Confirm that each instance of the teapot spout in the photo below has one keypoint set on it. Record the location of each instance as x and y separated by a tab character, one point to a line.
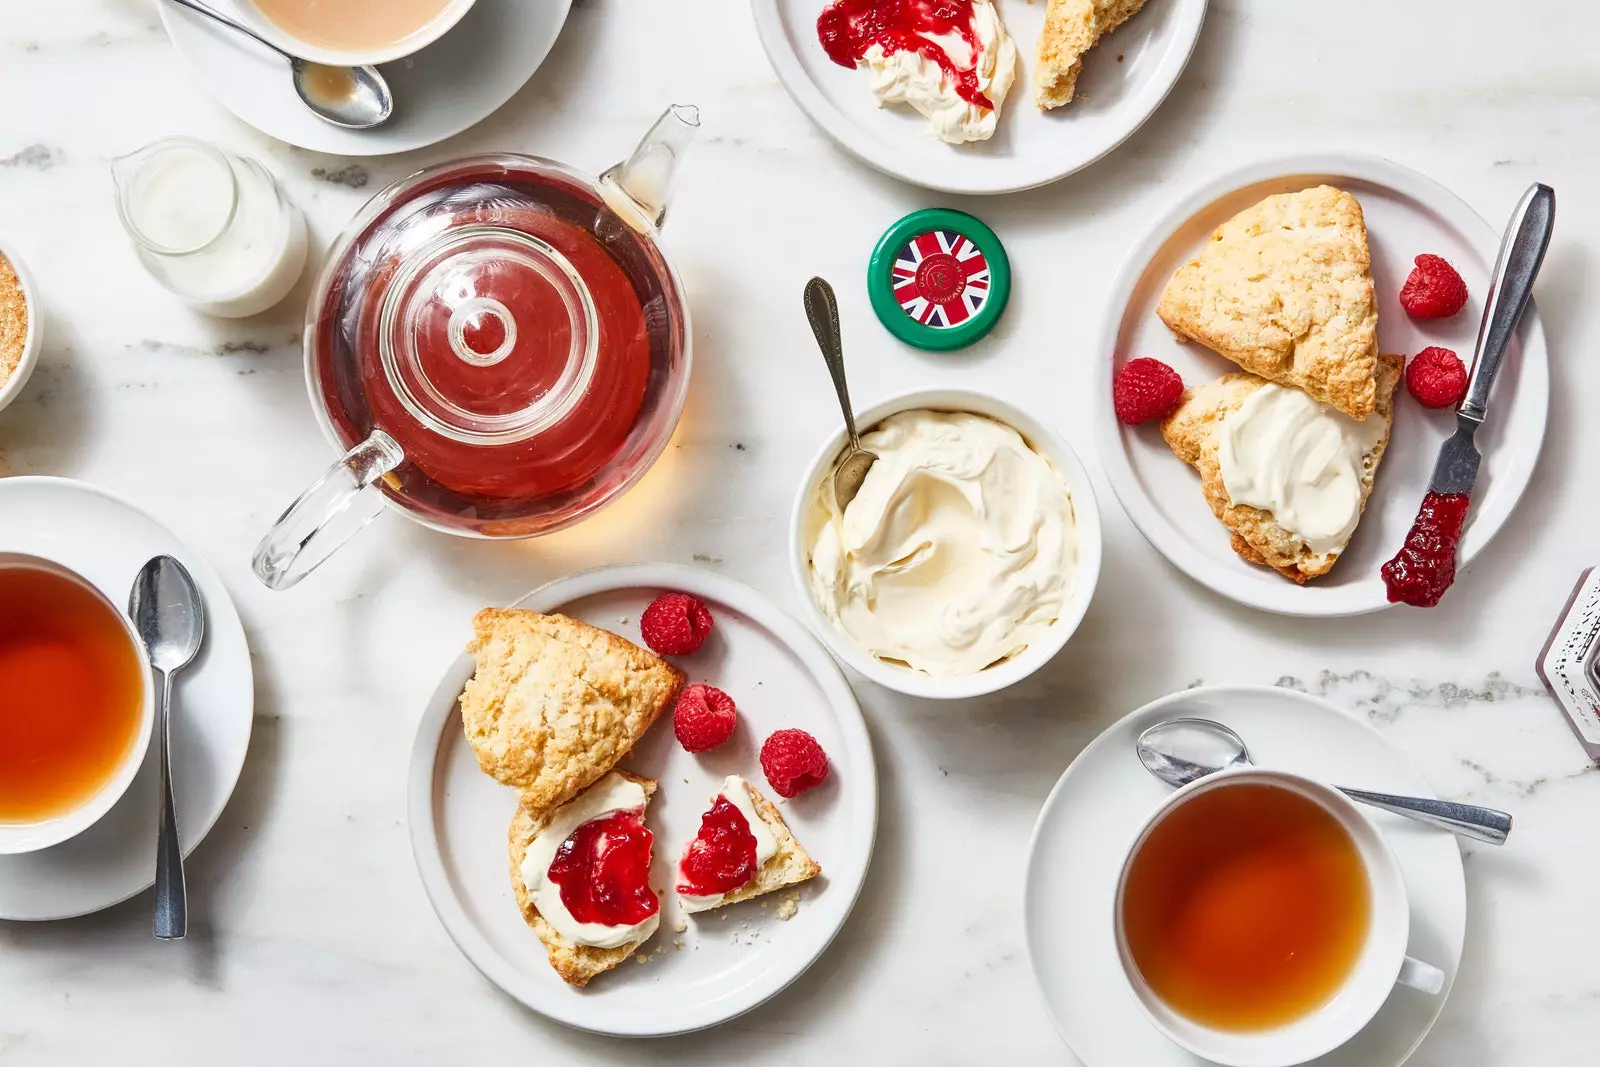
647	176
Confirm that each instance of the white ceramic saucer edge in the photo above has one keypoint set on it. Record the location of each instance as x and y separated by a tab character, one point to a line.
846	875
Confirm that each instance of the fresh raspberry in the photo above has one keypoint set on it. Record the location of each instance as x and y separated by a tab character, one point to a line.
1433	290
793	762
1145	389
704	718
1437	378
675	624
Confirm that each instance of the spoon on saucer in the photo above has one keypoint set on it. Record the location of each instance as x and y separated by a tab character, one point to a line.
823	311
1180	751
356	98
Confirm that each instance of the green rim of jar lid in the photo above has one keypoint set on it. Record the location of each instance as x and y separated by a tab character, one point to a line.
939	279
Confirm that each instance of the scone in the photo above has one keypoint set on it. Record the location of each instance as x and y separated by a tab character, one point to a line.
574	961
1194	432
712	874
1071	28
555	703
1284	289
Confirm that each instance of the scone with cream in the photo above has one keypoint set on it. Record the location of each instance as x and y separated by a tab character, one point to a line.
1071	28
581	875
744	849
1284	289
1289	477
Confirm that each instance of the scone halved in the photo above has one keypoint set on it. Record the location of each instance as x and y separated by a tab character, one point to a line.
1193	432
1284	289
790	864
1071	28
555	702
575	963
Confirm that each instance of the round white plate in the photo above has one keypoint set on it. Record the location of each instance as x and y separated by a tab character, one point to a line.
1093	814
731	959
107	540
1406	214
452	84
1030	147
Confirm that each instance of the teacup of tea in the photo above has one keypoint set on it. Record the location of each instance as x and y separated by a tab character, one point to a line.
349	33
1262	920
76	703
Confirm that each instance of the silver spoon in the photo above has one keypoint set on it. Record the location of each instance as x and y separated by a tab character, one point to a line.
1180	751
823	311
356	98
167	611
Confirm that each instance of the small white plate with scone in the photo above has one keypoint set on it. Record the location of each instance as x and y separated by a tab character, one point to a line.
639	842
1294	269
1018	95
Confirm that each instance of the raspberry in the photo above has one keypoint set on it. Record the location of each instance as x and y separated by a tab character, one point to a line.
704	718
1436	377
1433	290
793	762
675	624
1145	389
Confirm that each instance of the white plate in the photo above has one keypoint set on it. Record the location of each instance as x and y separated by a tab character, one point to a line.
1406	214
733	958
1030	147
452	84
1096	809
107	540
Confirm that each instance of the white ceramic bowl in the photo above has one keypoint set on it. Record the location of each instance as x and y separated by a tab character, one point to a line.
992	679
416	42
18	837
11	388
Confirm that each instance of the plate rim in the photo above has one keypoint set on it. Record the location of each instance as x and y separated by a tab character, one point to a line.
1179	550
864	147
423	829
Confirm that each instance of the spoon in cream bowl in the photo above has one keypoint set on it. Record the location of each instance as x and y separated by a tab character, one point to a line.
822	309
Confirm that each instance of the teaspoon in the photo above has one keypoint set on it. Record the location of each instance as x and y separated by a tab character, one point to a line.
1180	751
822	309
356	98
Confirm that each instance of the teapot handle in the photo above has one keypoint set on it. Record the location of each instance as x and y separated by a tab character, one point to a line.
329	513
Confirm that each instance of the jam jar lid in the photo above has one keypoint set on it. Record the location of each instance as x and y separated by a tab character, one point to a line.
939	279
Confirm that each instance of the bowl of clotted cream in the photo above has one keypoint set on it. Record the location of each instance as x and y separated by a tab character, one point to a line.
967	559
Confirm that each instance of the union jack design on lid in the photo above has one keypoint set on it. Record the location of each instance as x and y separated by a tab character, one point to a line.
941	278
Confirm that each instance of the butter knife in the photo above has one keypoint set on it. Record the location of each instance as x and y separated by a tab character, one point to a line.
1425	567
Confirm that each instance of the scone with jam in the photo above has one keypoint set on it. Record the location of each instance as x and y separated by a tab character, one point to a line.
744	849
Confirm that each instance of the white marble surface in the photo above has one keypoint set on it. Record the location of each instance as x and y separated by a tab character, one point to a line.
312	939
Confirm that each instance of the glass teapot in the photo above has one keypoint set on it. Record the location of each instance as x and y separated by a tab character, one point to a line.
499	346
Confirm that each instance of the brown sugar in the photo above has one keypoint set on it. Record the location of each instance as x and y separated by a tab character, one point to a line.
13	319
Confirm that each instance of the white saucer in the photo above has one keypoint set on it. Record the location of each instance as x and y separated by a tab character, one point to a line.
1095	810
731	959
1406	214
452	84
1030	147
107	540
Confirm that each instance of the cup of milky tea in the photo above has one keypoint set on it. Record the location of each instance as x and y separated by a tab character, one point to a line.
348	33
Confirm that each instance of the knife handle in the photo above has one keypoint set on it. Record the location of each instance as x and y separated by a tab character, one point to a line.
1521	252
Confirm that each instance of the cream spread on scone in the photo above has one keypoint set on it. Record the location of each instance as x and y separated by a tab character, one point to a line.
737	792
959	550
1283	452
613	793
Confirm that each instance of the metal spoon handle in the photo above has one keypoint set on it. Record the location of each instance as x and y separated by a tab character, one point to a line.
822	309
172	901
195	5
1468	820
1521	252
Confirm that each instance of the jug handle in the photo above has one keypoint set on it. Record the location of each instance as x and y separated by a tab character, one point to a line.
329	513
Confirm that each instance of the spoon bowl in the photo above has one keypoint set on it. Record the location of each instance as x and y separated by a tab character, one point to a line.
822	310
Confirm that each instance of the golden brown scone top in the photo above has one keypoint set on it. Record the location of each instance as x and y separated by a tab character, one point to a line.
1284	289
1071	28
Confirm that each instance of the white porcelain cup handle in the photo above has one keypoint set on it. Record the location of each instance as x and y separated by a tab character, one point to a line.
1423	976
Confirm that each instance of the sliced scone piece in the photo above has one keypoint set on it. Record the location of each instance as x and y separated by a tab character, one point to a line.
559	858
743	850
1284	289
555	702
1288	476
1071	28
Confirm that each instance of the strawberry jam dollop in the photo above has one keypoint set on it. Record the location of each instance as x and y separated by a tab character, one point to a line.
847	28
1426	566
603	871
722	857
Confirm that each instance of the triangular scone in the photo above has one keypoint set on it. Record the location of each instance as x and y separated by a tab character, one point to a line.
575	963
789	865
555	703
1071	28
1193	432
1284	289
